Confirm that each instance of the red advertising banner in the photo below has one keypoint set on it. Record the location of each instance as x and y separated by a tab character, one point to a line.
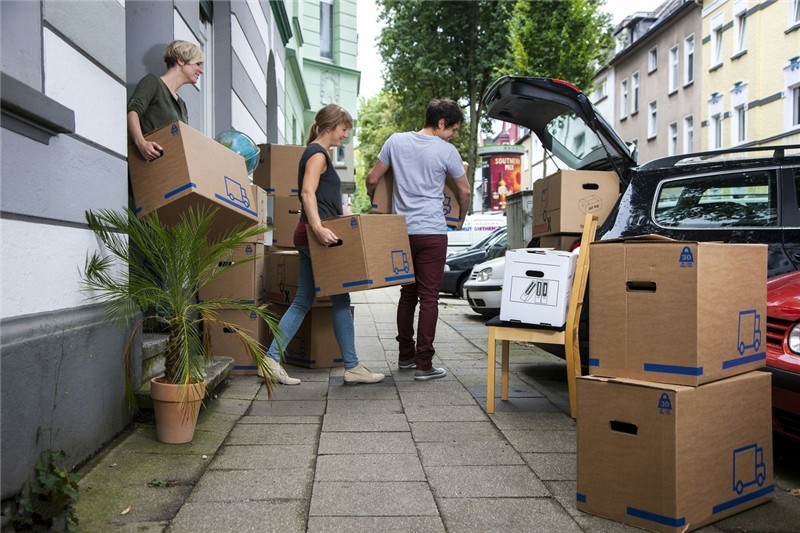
505	178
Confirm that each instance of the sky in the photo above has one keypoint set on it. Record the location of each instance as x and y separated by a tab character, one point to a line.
369	60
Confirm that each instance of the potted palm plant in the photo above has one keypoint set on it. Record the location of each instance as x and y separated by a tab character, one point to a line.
150	272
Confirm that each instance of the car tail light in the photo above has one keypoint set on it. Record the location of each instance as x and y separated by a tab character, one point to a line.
567	84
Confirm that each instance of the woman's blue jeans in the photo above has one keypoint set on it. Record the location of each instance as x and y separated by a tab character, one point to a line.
342	318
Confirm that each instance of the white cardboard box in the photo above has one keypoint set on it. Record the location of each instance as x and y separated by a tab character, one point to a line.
537	285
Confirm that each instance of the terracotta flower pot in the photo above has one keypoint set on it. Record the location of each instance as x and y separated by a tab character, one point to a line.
176	410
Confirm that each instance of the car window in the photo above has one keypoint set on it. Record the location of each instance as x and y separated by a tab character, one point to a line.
498	248
573	142
743	199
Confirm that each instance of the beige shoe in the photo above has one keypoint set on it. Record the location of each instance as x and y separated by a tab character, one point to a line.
279	374
362	374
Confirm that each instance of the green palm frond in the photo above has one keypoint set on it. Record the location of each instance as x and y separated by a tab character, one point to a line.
154	272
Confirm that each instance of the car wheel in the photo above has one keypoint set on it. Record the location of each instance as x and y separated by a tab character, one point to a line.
460	285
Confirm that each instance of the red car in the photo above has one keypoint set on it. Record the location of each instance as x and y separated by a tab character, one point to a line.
783	352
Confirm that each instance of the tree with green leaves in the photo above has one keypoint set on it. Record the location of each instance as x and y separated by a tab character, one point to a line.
565	39
376	122
442	50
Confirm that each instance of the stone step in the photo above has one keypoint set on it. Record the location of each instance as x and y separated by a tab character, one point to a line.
153	346
216	372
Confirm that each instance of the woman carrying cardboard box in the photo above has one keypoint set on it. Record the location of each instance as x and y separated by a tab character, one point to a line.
321	198
155	101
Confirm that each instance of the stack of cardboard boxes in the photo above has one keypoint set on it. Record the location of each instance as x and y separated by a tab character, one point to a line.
563	199
314	345
674	424
197	171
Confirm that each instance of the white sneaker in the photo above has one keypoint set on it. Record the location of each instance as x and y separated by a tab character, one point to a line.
362	374
279	374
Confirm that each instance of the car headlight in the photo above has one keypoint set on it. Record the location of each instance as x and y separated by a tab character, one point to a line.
794	339
484	274
446	267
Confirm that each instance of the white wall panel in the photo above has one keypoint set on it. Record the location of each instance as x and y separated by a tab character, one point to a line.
97	99
242	120
261	21
41	268
245	54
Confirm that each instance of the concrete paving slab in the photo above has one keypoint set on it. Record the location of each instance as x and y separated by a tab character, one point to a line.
341	498
363	393
247	485
516	389
261	434
311	390
288	408
264	457
132	469
484	482
542	441
144	441
418	398
102	509
532	421
273	419
359	407
382	422
564	492
553	466
596	524
445	413
365	443
371	524
371	467
522	405
242	517
468	454
532	515
455	432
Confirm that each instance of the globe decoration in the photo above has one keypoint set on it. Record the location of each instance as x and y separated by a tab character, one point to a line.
242	145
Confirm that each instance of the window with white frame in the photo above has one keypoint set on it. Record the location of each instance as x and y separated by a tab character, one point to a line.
740	123
326	29
716	131
672	149
652	59
716	40
794	13
791	88
688	60
623	99
739	27
652	119
673	69
601	90
688	134
739	113
634	93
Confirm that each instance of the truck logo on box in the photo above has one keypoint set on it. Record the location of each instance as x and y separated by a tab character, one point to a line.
235	192
748	467
749	331
400	262
687	258
664	404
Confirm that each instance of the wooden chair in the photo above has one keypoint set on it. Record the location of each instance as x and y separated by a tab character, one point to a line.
506	332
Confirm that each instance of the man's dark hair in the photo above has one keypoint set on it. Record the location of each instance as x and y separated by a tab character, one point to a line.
443	108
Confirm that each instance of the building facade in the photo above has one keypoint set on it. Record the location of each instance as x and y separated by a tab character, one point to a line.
751	73
68	69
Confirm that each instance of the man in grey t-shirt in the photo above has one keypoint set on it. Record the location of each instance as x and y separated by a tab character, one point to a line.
419	162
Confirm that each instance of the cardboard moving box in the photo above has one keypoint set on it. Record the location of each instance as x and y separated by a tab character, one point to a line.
243	282
537	285
673	458
226	343
677	312
314	345
194	171
562	200
277	168
284	221
382	198
281	270
374	252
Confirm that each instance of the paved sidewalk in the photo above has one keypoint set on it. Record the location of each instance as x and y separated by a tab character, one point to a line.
397	456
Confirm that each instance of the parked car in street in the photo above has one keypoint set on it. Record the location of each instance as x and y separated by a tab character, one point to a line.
747	195
459	264
783	352
484	288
